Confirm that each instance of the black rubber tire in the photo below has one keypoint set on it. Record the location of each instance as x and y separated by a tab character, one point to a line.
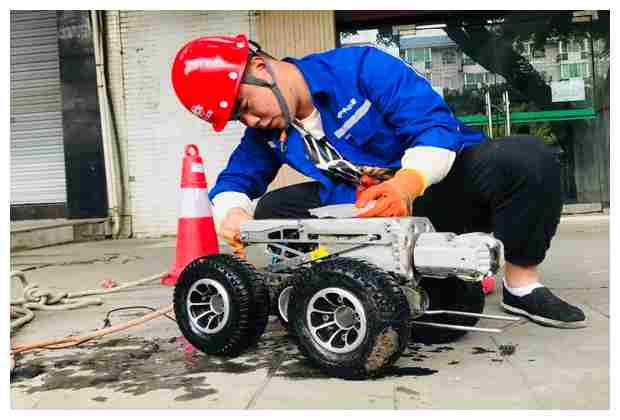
272	282
453	294
249	304
298	276
386	310
281	287
260	292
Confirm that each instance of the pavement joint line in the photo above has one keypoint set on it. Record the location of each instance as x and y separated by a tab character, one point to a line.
598	272
394	396
598	311
104	260
515	324
18	254
277	361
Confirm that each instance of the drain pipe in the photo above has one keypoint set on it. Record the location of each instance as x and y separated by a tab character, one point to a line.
113	181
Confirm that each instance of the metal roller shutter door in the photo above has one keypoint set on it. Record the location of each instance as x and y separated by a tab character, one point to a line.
37	153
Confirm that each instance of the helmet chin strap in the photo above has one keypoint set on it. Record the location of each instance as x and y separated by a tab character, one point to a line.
251	80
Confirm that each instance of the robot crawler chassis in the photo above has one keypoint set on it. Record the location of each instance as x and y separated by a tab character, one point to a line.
353	292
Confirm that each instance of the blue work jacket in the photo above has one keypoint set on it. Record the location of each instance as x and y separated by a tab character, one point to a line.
373	107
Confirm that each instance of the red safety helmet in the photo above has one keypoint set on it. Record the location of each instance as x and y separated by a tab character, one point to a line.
206	75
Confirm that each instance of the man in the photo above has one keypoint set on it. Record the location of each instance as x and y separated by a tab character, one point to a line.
368	128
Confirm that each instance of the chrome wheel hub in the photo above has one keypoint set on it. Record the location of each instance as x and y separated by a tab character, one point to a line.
283	299
208	306
336	319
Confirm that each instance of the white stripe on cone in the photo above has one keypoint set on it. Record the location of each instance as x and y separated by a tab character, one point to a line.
195	203
197	167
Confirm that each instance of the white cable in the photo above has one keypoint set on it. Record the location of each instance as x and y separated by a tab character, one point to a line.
35	298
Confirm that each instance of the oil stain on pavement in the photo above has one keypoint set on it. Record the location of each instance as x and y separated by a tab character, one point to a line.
129	365
136	366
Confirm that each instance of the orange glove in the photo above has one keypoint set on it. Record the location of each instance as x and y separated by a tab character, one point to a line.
229	229
395	196
365	182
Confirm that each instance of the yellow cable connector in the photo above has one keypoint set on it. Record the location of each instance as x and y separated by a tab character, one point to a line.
320	252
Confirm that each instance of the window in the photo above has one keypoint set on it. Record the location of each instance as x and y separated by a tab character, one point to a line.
420	55
489	78
448	57
473	80
578	45
576	48
563	51
574	71
427	55
573	47
467	60
538	53
533	52
415	55
585	49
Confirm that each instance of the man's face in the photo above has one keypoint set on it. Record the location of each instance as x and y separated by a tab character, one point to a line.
258	106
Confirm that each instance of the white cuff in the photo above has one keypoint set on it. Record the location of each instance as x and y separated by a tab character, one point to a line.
227	200
433	162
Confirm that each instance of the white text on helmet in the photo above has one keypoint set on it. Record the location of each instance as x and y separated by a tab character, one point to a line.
204	63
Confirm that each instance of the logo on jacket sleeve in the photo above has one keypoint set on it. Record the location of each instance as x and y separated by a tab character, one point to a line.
347	108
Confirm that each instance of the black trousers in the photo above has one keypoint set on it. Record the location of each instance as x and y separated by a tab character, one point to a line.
508	186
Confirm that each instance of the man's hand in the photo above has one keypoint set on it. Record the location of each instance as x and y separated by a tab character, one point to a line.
365	183
393	197
229	229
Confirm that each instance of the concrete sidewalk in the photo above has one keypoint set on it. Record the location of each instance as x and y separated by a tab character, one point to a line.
147	367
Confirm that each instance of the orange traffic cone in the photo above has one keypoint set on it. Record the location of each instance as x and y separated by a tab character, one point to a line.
196	235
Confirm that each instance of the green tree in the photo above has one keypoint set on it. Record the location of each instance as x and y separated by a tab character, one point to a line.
496	42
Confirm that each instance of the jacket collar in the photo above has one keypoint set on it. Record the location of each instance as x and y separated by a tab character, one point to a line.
318	84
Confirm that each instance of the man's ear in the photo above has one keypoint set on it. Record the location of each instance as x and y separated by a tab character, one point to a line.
257	64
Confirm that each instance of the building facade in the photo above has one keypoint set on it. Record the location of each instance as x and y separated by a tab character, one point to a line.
108	140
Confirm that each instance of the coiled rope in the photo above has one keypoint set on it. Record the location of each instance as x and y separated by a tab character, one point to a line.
35	298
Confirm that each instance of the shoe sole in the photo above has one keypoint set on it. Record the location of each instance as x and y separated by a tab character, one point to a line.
545	321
